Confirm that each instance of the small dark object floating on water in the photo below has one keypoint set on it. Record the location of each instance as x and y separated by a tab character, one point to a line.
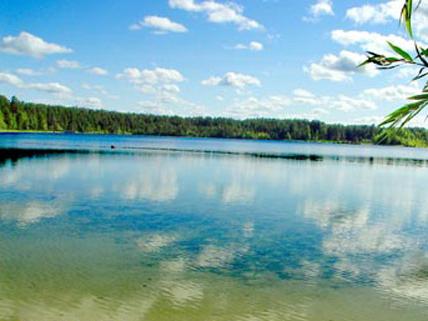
113	147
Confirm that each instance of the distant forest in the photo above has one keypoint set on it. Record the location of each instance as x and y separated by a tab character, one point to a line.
16	115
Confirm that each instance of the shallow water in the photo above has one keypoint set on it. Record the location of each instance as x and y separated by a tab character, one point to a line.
182	229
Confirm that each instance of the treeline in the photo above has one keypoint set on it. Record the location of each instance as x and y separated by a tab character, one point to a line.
17	115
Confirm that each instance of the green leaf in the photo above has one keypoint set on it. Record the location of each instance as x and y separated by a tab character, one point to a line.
365	62
404	114
419	97
401	52
392	59
406	16
420	76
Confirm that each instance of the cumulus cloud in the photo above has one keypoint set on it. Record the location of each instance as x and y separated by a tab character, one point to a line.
393	93
98	90
28	72
151	76
52	88
321	8
341	102
91	102
305	97
98	71
253	46
297	105
218	12
375	13
73	64
232	79
255	107
346	103
370	41
68	64
27	44
161	25
367	99
340	67
162	84
10	79
389	11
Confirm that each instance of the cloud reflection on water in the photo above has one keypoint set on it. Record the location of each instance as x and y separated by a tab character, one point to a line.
369	218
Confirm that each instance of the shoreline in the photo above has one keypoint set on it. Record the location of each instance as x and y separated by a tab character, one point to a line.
2	131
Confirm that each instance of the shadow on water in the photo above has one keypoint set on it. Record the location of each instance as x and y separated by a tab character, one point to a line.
13	155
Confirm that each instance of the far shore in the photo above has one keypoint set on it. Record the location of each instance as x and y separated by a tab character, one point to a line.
369	143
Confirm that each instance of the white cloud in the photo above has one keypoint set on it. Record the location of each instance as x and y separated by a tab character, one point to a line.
389	11
96	88
10	79
52	88
378	13
346	103
28	72
171	88
341	67
151	76
305	97
254	107
73	64
91	102
98	71
232	79
253	46
218	12
161	25
296	105
99	90
30	45
371	120
368	99
370	41
321	8
393	93
68	64
154	108
161	83
341	102
299	92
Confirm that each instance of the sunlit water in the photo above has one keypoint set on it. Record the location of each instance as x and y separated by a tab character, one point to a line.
210	230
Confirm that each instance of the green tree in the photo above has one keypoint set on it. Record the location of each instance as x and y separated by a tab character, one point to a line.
2	123
42	117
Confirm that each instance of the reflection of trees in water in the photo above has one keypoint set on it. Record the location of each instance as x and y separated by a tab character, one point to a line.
13	155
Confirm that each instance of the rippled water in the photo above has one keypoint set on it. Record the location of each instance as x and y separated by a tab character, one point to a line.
210	230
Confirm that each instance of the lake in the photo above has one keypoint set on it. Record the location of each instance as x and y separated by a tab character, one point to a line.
181	229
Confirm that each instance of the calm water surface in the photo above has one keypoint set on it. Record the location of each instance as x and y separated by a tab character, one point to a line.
172	229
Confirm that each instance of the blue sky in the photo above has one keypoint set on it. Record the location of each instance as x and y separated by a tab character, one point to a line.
241	58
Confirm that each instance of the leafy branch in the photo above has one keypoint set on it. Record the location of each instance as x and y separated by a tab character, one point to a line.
401	116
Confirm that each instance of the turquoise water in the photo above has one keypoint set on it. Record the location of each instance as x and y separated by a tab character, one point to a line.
206	229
